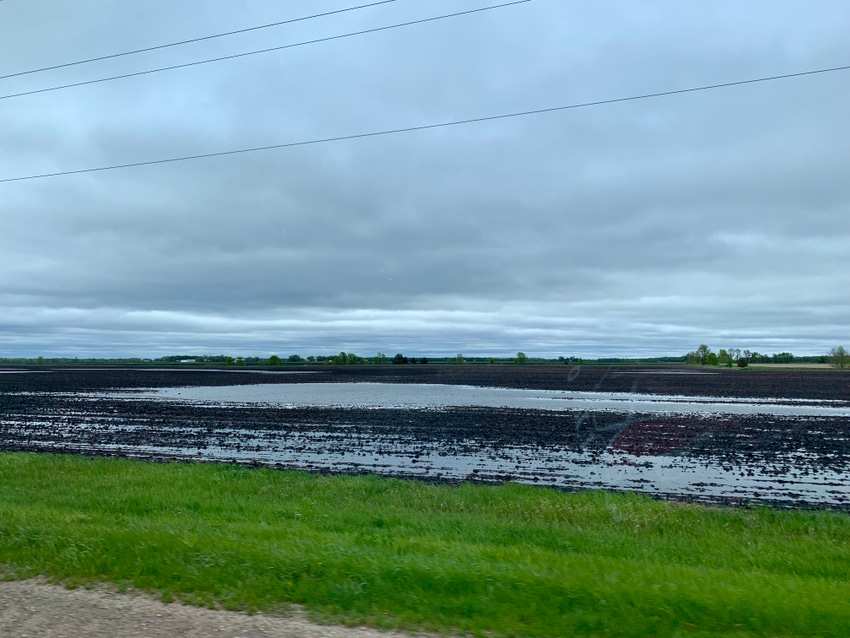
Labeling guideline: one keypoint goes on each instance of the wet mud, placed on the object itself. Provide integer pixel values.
(789, 461)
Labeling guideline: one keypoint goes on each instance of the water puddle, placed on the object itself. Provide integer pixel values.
(341, 451)
(429, 396)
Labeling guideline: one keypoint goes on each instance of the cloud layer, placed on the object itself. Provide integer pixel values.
(641, 228)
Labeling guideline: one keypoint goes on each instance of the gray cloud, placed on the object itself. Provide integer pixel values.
(637, 228)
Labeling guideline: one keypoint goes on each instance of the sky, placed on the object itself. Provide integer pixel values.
(640, 228)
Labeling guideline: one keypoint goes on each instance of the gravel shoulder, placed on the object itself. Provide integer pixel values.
(36, 608)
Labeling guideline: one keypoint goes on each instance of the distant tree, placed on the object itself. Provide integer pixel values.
(491, 361)
(379, 359)
(399, 359)
(228, 361)
(734, 355)
(351, 359)
(757, 357)
(702, 353)
(294, 358)
(838, 358)
(240, 361)
(424, 360)
(450, 360)
(459, 358)
(412, 359)
(692, 358)
(521, 358)
(274, 360)
(711, 359)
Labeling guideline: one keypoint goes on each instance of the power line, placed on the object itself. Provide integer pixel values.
(424, 127)
(190, 41)
(242, 55)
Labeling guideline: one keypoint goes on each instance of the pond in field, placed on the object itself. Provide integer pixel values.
(423, 396)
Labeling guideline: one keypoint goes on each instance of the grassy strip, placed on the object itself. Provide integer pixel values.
(512, 560)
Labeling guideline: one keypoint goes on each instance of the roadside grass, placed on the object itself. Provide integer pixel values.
(488, 560)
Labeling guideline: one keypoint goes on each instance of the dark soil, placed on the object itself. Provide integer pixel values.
(47, 411)
(787, 383)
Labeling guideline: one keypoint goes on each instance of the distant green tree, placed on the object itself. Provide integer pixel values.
(702, 353)
(838, 358)
(734, 355)
(491, 361)
(521, 358)
(274, 360)
(711, 359)
(399, 359)
(379, 359)
(294, 358)
(459, 358)
(228, 361)
(723, 358)
(757, 357)
(424, 360)
(240, 361)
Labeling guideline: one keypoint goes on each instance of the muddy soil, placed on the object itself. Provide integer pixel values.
(690, 381)
(52, 411)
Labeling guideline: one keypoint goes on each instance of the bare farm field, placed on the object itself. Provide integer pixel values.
(773, 436)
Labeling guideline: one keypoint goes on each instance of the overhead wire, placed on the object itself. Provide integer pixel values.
(423, 127)
(192, 40)
(268, 50)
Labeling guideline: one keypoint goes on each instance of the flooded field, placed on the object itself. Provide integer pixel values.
(781, 437)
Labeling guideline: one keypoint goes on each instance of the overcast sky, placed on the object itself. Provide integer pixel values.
(640, 228)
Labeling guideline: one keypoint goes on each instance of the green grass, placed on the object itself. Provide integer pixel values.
(504, 560)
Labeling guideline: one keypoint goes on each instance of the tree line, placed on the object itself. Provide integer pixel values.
(703, 355)
(729, 357)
